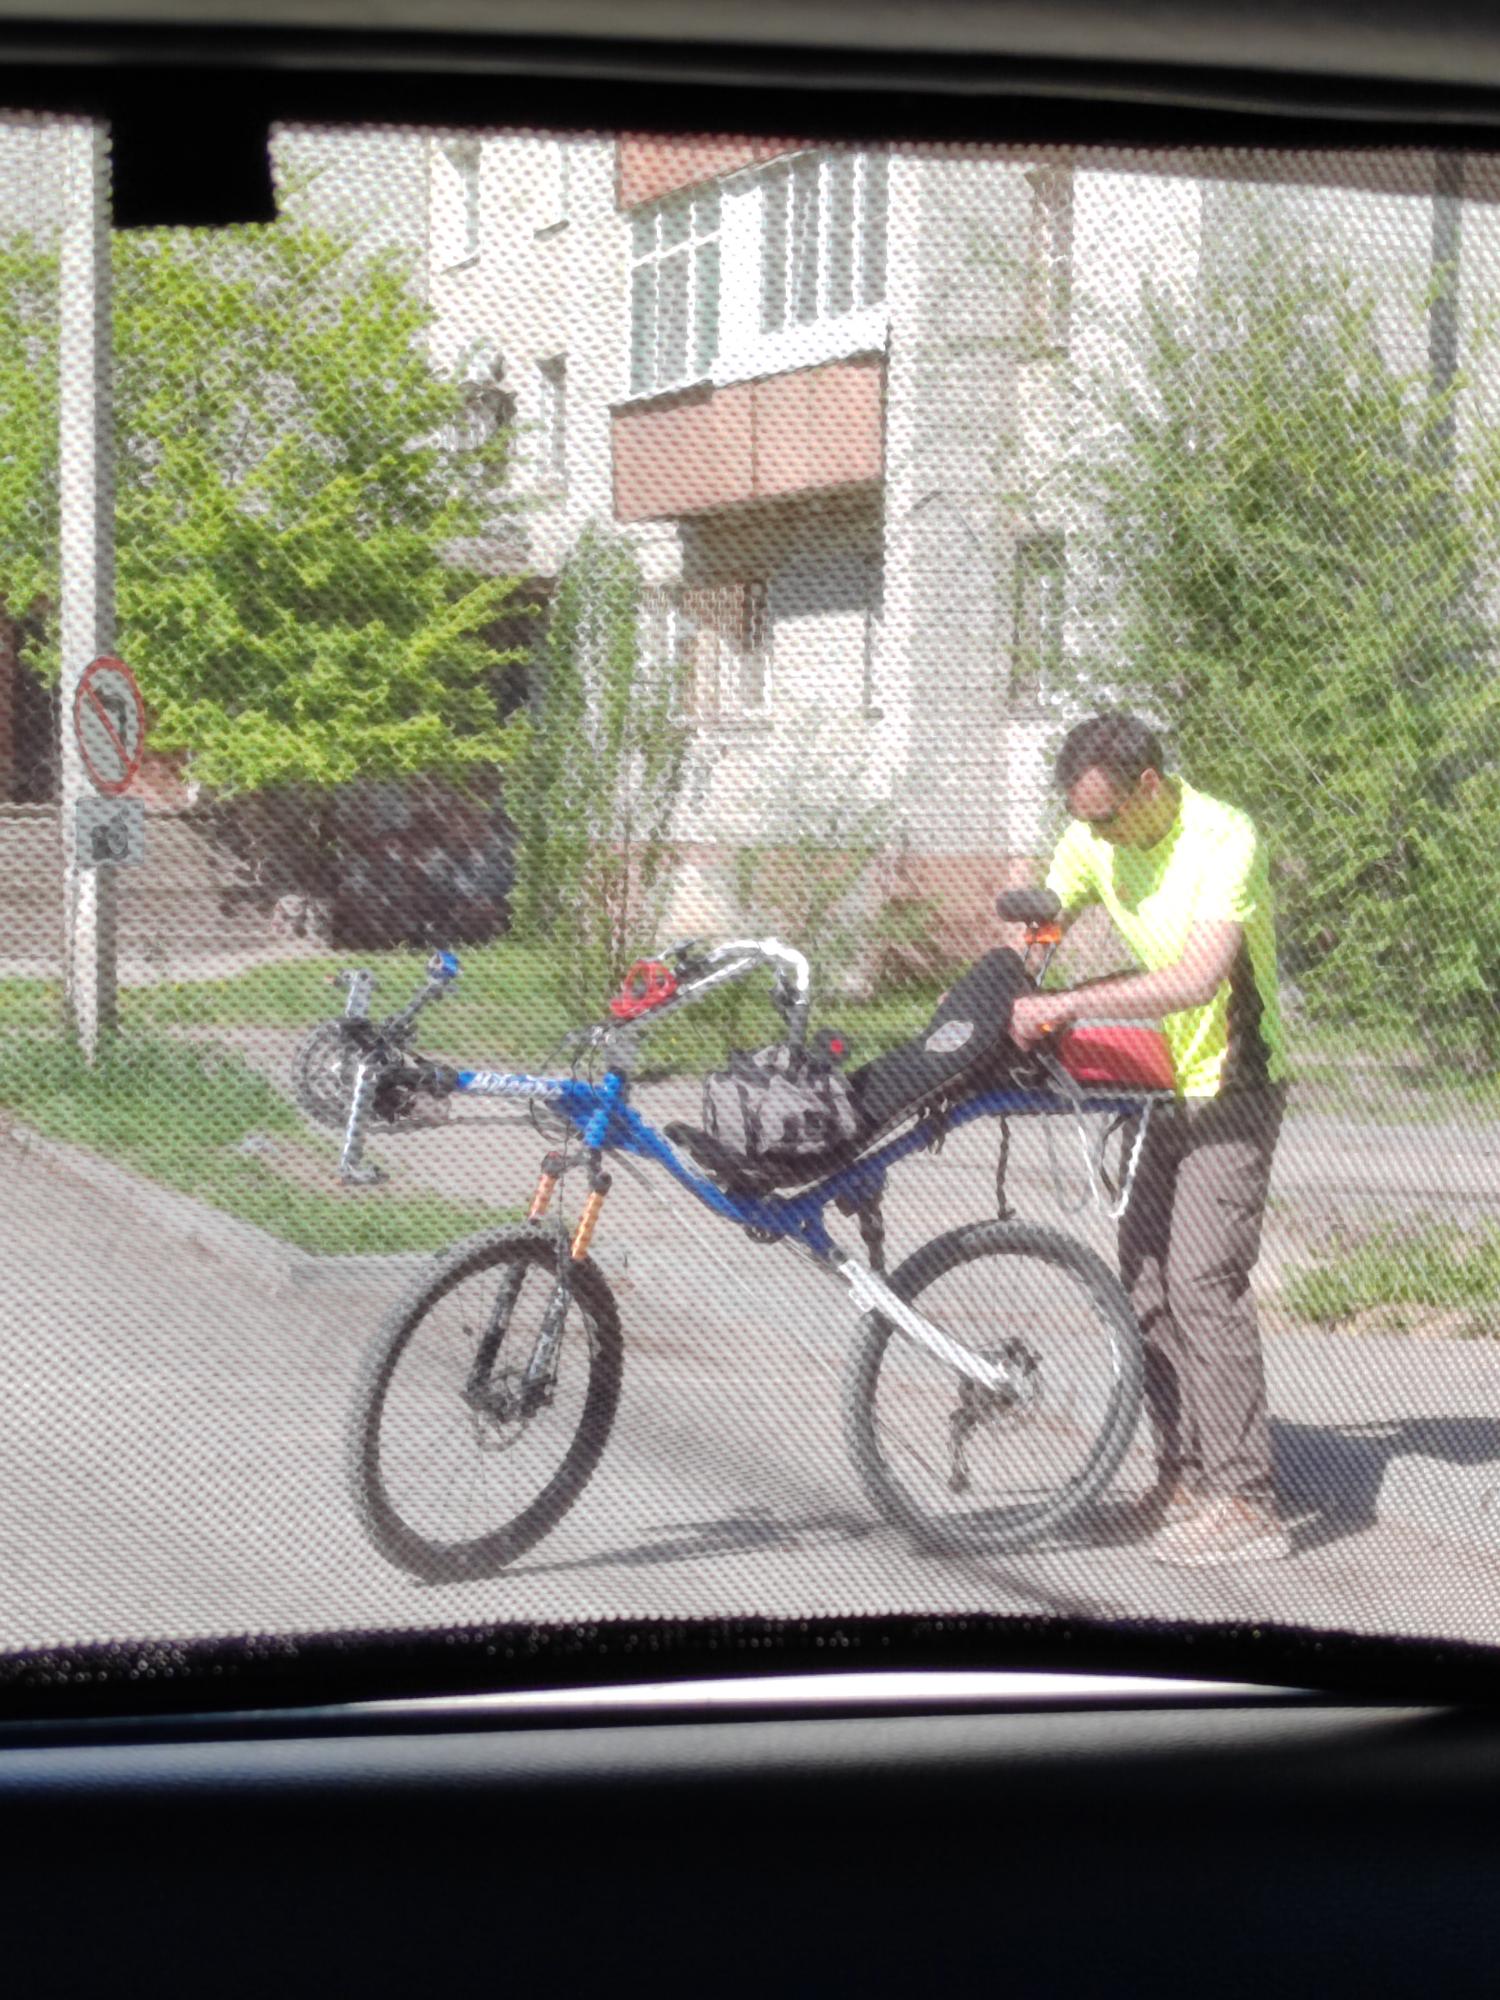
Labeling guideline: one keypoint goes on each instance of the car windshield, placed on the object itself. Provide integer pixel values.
(749, 878)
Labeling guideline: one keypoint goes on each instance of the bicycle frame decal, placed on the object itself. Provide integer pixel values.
(498, 1083)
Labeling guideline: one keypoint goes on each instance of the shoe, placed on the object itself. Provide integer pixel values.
(1165, 1505)
(1226, 1530)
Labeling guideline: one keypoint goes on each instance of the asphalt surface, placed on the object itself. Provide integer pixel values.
(173, 1408)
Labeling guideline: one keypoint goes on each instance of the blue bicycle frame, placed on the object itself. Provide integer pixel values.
(607, 1122)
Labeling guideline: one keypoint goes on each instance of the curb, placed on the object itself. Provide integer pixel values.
(209, 1232)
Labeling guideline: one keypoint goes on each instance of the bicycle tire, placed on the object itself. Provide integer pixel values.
(440, 1560)
(888, 1492)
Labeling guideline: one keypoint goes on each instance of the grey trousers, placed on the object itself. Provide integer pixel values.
(1188, 1242)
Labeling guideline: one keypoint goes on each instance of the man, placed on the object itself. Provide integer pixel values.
(1184, 879)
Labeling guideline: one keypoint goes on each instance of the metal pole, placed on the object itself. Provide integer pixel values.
(1442, 325)
(86, 522)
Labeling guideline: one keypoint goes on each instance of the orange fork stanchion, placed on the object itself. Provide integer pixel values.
(541, 1201)
(583, 1235)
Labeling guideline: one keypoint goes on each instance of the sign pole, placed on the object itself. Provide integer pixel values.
(87, 610)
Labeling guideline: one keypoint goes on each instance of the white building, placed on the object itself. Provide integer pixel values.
(788, 372)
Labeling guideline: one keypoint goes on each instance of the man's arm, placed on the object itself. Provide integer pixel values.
(1192, 982)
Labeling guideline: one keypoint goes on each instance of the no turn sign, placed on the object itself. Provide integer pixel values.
(109, 720)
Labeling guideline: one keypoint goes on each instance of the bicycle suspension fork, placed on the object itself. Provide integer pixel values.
(544, 1354)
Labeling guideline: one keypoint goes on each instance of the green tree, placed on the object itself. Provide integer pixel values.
(28, 427)
(291, 509)
(1278, 557)
(601, 778)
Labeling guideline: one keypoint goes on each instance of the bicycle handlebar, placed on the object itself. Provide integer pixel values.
(722, 964)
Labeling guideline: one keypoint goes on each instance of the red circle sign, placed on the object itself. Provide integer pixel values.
(109, 720)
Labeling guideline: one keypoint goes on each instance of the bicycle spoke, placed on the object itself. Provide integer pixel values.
(968, 1463)
(446, 1466)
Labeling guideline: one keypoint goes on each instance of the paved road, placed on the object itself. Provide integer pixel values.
(170, 1452)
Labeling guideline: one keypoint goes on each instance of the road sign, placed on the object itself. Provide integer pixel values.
(109, 720)
(111, 831)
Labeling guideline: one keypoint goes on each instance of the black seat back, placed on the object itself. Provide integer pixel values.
(965, 1046)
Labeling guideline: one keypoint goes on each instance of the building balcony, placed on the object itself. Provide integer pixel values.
(812, 430)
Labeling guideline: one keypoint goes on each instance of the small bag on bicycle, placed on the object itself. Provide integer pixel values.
(779, 1108)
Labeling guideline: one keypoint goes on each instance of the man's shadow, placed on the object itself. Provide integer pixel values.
(1330, 1475)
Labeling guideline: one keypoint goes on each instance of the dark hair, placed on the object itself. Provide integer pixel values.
(1118, 744)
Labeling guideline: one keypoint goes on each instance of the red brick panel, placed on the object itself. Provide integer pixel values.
(684, 456)
(646, 169)
(818, 428)
(800, 433)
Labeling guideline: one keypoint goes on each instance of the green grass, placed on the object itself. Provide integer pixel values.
(30, 1003)
(506, 1002)
(507, 1007)
(1405, 1276)
(180, 1114)
(180, 1110)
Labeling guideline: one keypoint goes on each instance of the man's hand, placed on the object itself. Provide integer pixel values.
(1191, 982)
(1032, 1012)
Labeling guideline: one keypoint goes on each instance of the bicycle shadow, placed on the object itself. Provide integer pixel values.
(750, 1531)
(1330, 1475)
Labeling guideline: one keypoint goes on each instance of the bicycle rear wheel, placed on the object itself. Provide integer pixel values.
(965, 1469)
(456, 1467)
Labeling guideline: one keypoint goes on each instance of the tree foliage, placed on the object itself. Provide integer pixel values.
(601, 777)
(1283, 559)
(292, 507)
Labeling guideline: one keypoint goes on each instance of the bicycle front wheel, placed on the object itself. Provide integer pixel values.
(461, 1456)
(966, 1469)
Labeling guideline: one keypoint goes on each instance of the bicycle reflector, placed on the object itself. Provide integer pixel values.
(647, 984)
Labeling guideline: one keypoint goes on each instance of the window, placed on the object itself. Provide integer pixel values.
(715, 637)
(823, 238)
(1040, 579)
(1050, 258)
(674, 290)
(455, 218)
(552, 464)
